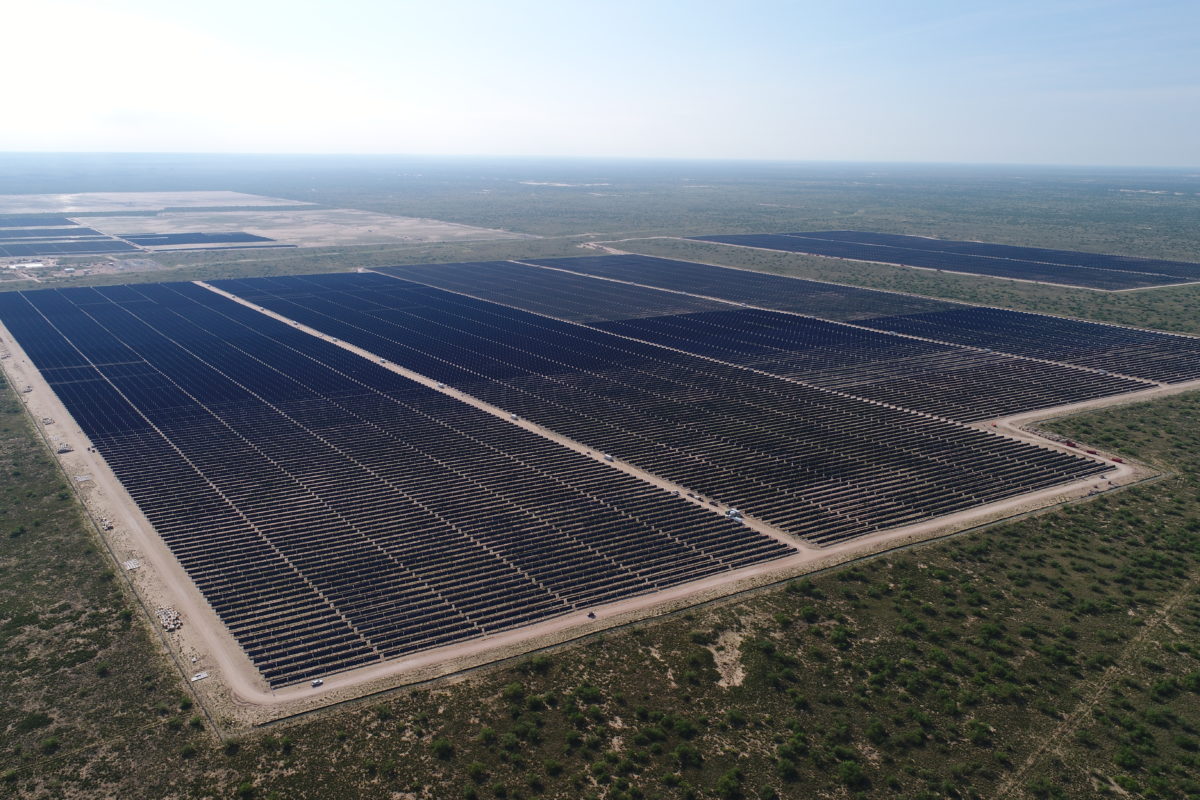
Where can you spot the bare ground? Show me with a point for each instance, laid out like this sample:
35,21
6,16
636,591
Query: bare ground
131,201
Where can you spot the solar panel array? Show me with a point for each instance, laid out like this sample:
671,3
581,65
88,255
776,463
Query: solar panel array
1153,266
819,464
961,384
82,247
564,295
954,261
1143,354
171,239
948,380
332,512
38,235
33,220
50,234
816,298
1147,355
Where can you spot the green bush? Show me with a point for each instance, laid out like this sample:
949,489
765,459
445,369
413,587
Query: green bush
33,721
477,771
851,774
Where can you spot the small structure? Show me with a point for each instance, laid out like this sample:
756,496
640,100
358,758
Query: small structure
170,619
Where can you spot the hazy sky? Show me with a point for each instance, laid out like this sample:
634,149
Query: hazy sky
880,80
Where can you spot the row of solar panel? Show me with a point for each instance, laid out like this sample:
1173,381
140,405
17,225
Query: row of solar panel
332,512
948,380
1108,280
962,384
554,293
1148,355
821,465
72,248
1182,269
49,234
33,220
169,239
815,298
78,240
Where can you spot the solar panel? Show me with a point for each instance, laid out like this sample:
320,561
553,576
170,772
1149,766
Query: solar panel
812,461
72,248
1022,269
1155,266
332,512
169,239
949,380
33,220
816,298
1147,355
48,234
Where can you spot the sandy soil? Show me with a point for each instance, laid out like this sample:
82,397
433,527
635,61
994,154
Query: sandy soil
727,656
131,201
302,226
236,695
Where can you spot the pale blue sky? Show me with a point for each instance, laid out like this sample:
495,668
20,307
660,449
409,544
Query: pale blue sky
1097,82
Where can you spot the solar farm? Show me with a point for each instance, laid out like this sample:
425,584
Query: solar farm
116,223
364,470
59,237
1063,267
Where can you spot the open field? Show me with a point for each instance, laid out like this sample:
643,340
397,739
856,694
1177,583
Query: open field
303,227
91,202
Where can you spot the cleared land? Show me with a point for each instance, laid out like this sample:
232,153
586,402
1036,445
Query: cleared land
302,227
86,202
